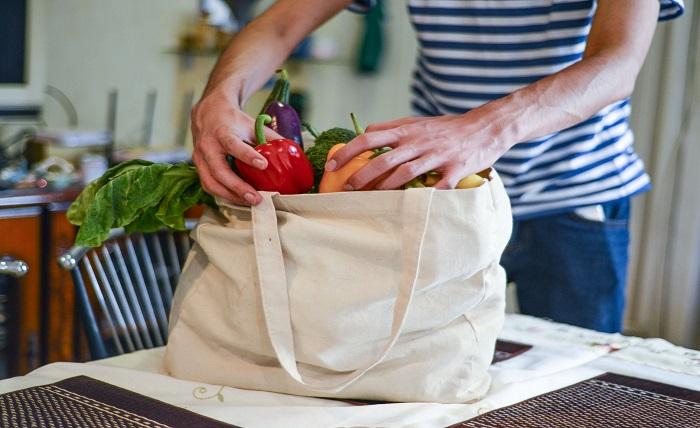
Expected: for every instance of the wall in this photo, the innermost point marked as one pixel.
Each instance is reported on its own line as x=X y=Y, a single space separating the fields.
x=333 y=88
x=337 y=90
x=95 y=46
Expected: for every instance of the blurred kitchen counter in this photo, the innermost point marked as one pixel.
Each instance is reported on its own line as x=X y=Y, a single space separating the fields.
x=38 y=196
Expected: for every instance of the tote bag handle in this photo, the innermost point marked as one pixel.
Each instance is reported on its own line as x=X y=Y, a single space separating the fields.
x=274 y=292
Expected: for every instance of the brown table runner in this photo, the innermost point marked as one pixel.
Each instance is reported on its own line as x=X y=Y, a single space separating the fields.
x=85 y=402
x=608 y=400
x=506 y=350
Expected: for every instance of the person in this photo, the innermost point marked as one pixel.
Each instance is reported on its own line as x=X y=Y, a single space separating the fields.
x=539 y=88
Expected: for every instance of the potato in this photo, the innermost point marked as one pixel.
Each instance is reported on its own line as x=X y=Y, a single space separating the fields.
x=470 y=182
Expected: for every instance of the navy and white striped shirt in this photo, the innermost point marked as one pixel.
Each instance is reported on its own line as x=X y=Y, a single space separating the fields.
x=474 y=51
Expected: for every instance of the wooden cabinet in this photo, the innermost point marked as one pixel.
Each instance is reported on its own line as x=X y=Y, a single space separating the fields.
x=34 y=228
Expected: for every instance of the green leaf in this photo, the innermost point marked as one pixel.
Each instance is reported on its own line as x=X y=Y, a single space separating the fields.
x=120 y=201
x=141 y=197
x=79 y=208
x=146 y=222
x=184 y=192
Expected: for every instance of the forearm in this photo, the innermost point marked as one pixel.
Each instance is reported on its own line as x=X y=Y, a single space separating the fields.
x=615 y=52
x=560 y=101
x=260 y=48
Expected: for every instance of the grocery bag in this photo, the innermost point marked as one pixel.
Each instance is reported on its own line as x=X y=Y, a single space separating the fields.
x=378 y=295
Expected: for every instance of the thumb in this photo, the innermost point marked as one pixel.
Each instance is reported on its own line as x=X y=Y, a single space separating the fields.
x=270 y=134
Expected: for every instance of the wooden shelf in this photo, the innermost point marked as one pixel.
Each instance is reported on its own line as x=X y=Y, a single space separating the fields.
x=213 y=53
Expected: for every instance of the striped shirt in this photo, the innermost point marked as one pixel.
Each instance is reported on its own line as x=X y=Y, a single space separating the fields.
x=474 y=51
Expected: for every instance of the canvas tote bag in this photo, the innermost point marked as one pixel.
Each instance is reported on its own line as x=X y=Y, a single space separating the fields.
x=382 y=295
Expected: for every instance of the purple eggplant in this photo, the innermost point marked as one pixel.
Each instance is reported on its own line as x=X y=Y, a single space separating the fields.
x=285 y=120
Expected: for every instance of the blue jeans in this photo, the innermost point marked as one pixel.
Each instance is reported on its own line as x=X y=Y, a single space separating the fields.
x=571 y=269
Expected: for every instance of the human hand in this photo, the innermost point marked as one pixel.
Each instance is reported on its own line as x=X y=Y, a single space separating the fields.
x=455 y=146
x=219 y=127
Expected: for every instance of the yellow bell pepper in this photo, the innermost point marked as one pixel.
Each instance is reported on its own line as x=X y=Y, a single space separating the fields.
x=334 y=181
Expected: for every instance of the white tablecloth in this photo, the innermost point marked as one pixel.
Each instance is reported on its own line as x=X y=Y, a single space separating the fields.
x=561 y=355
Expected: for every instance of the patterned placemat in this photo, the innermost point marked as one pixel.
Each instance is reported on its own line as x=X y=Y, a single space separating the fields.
x=85 y=402
x=608 y=400
x=505 y=350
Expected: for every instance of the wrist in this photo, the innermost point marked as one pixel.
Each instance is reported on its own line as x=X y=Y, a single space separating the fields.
x=227 y=88
x=498 y=120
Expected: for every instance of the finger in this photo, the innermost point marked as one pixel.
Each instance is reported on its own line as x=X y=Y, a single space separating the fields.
x=247 y=132
x=395 y=123
x=450 y=178
x=211 y=186
x=381 y=165
x=221 y=172
x=362 y=143
x=234 y=145
x=270 y=134
x=408 y=171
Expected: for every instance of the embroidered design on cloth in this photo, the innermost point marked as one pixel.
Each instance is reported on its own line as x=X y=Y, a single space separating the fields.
x=85 y=402
x=604 y=401
x=202 y=393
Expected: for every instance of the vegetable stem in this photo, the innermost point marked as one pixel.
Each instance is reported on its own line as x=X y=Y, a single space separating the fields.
x=280 y=92
x=260 y=123
x=283 y=95
x=311 y=129
x=356 y=124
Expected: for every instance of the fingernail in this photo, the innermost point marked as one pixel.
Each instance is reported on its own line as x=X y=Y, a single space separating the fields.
x=259 y=163
x=250 y=198
x=331 y=165
x=348 y=187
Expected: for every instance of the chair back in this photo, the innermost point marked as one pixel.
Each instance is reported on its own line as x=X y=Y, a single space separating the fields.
x=124 y=289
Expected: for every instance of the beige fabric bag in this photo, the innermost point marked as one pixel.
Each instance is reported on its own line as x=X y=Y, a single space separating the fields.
x=385 y=295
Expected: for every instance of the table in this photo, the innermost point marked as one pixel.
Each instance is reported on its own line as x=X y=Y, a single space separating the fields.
x=561 y=355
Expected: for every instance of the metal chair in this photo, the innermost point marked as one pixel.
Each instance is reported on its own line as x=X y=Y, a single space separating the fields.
x=11 y=270
x=131 y=280
x=13 y=267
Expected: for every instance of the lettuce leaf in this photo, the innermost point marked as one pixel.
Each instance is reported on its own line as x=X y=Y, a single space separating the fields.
x=138 y=195
x=78 y=209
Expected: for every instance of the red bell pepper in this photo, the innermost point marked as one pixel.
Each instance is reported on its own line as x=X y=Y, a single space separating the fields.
x=288 y=170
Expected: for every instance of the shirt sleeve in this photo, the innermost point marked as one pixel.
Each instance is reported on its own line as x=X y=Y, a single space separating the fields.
x=361 y=6
x=671 y=9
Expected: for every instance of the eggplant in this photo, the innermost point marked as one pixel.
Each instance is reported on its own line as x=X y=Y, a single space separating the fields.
x=285 y=120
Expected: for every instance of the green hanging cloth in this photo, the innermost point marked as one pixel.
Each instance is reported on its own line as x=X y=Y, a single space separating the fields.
x=372 y=44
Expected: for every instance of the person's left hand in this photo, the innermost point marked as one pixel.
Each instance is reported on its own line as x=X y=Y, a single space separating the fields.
x=454 y=146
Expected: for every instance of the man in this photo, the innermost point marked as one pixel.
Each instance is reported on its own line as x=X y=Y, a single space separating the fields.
x=540 y=88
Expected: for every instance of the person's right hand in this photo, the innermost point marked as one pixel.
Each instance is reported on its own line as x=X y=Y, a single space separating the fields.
x=219 y=127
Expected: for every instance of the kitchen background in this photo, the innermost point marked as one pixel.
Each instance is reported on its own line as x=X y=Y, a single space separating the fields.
x=134 y=67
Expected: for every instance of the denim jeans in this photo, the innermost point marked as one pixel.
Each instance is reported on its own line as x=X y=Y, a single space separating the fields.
x=571 y=269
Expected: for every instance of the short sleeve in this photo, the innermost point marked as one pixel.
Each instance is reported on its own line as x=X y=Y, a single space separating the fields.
x=670 y=9
x=361 y=6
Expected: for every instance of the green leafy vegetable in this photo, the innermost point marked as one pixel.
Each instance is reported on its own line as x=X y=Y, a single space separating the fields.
x=78 y=209
x=140 y=196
